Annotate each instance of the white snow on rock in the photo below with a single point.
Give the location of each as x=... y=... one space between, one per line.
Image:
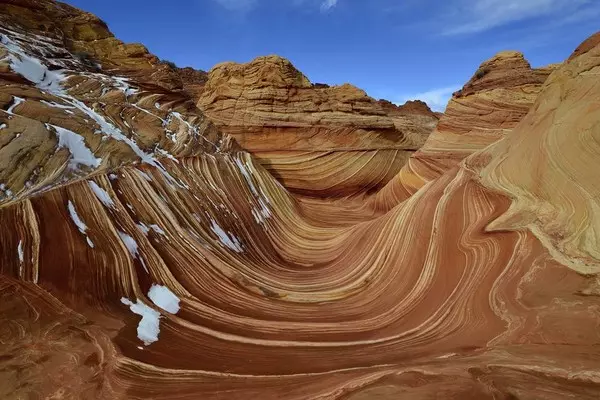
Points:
x=157 y=229
x=143 y=228
x=130 y=243
x=56 y=105
x=123 y=85
x=79 y=223
x=16 y=101
x=148 y=327
x=190 y=127
x=162 y=297
x=35 y=71
x=132 y=247
x=2 y=126
x=75 y=217
x=242 y=168
x=101 y=194
x=148 y=112
x=80 y=153
x=232 y=242
x=20 y=251
x=31 y=68
x=4 y=190
x=167 y=154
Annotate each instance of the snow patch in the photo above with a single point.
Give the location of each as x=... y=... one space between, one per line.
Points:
x=143 y=228
x=101 y=194
x=56 y=105
x=75 y=217
x=148 y=112
x=31 y=68
x=80 y=153
x=79 y=223
x=232 y=242
x=148 y=327
x=20 y=251
x=35 y=71
x=123 y=85
x=132 y=247
x=2 y=126
x=130 y=243
x=157 y=229
x=167 y=154
x=242 y=168
x=16 y=101
x=162 y=297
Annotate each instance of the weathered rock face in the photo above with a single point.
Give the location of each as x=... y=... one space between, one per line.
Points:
x=317 y=140
x=88 y=38
x=490 y=105
x=193 y=81
x=65 y=118
x=142 y=261
x=589 y=44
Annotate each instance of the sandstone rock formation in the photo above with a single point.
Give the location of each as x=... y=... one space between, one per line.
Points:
x=317 y=140
x=142 y=261
x=497 y=97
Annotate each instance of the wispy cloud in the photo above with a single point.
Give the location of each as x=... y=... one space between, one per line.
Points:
x=328 y=5
x=237 y=5
x=472 y=16
x=436 y=99
x=246 y=5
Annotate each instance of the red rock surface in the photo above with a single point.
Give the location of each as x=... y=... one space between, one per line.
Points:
x=482 y=285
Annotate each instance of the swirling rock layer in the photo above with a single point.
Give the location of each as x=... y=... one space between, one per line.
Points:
x=317 y=140
x=178 y=266
x=490 y=105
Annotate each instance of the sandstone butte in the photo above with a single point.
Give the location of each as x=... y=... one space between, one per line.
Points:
x=144 y=254
x=317 y=140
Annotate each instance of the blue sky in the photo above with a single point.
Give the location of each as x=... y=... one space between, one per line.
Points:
x=393 y=49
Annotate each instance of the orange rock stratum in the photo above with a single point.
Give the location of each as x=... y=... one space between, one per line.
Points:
x=168 y=234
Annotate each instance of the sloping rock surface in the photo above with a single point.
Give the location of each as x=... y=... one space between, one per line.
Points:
x=148 y=257
x=490 y=105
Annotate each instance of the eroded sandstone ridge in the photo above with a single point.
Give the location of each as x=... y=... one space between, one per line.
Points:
x=143 y=255
x=490 y=105
x=317 y=140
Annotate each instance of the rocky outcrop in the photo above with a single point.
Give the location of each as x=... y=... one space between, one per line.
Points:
x=64 y=117
x=589 y=44
x=317 y=140
x=89 y=39
x=490 y=105
x=143 y=261
x=193 y=81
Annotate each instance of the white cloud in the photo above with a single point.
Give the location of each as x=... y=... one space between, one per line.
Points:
x=436 y=99
x=328 y=5
x=237 y=5
x=472 y=16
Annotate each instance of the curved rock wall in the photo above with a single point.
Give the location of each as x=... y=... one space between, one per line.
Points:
x=149 y=257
